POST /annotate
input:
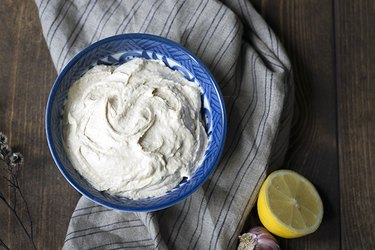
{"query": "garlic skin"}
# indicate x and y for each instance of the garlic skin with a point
(258, 238)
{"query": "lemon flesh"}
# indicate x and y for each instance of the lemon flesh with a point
(289, 205)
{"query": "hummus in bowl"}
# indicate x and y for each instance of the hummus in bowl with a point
(134, 130)
(142, 112)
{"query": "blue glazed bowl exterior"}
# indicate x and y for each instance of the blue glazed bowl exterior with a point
(117, 50)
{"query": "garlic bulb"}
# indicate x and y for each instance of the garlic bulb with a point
(258, 238)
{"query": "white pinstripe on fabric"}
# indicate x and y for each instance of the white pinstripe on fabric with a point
(254, 73)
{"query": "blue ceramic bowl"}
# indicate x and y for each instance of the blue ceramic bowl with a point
(117, 50)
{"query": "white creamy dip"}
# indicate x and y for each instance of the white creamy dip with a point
(134, 130)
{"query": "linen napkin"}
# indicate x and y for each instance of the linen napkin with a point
(254, 75)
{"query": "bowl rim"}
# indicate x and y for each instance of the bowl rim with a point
(51, 145)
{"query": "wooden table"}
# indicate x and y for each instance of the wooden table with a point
(332, 47)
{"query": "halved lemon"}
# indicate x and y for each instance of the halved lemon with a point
(289, 205)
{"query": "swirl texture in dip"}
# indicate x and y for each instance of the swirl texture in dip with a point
(134, 130)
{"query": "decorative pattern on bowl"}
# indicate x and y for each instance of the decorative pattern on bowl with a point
(117, 50)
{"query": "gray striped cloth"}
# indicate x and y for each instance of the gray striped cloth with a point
(254, 75)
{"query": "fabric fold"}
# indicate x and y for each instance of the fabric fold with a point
(254, 75)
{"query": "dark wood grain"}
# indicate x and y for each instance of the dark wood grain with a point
(355, 57)
(26, 76)
(307, 31)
